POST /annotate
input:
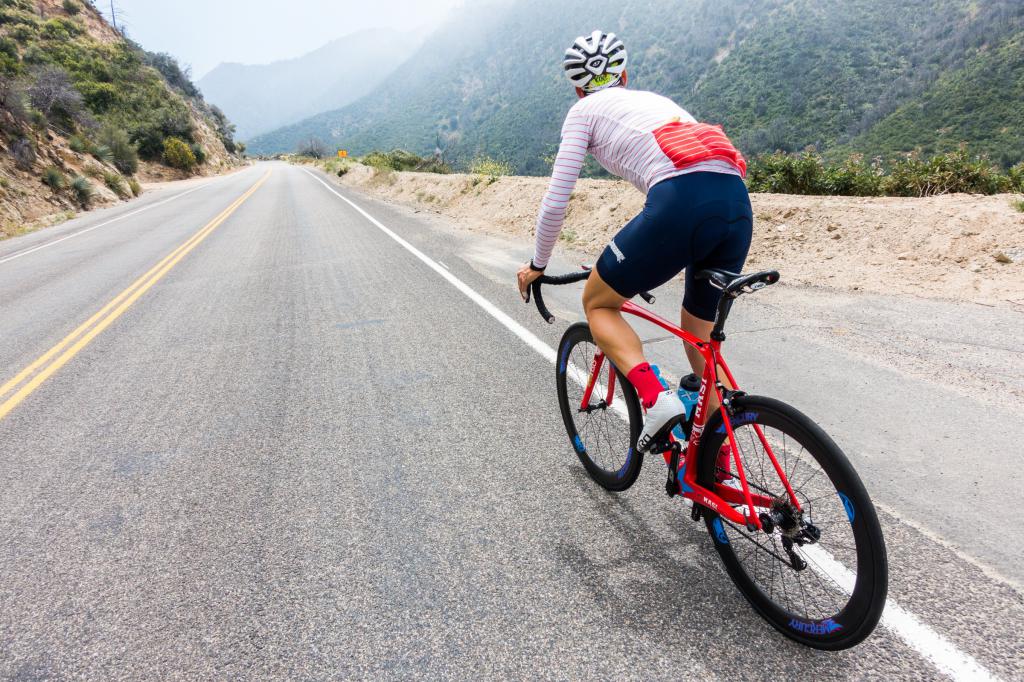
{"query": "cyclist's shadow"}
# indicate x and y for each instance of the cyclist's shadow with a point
(668, 582)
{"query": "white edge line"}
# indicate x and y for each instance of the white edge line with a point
(937, 649)
(528, 337)
(26, 252)
(942, 653)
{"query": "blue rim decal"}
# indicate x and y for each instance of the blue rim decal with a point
(565, 359)
(629, 458)
(579, 444)
(821, 627)
(739, 420)
(720, 535)
(848, 506)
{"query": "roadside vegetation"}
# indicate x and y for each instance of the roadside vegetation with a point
(490, 168)
(912, 176)
(102, 94)
(314, 149)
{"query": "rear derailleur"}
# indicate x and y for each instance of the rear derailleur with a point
(792, 527)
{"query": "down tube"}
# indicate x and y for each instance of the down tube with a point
(764, 442)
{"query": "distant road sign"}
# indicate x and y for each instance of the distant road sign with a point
(342, 153)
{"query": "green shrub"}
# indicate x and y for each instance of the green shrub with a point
(401, 160)
(787, 174)
(135, 187)
(910, 177)
(1016, 177)
(24, 33)
(9, 48)
(102, 152)
(855, 178)
(100, 98)
(177, 154)
(60, 29)
(944, 174)
(83, 190)
(38, 119)
(198, 152)
(78, 144)
(176, 122)
(93, 171)
(149, 141)
(117, 184)
(122, 151)
(54, 178)
(72, 7)
(485, 165)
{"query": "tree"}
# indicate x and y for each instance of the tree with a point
(313, 147)
(53, 93)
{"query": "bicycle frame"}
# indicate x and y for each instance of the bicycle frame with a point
(721, 498)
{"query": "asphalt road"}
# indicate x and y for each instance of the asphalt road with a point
(294, 450)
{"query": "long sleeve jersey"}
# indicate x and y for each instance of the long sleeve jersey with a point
(639, 136)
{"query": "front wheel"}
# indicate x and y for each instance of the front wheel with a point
(821, 575)
(603, 430)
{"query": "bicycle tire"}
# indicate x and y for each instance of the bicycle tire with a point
(826, 559)
(575, 352)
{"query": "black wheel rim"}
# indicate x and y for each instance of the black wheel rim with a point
(816, 596)
(602, 434)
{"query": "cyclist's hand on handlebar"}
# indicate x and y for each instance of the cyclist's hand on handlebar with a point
(526, 276)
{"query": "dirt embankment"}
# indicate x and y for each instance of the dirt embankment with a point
(27, 202)
(959, 247)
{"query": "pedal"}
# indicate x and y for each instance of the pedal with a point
(672, 487)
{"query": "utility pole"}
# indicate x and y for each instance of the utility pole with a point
(113, 16)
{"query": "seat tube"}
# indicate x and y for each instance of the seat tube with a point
(595, 371)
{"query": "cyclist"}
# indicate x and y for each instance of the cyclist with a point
(697, 214)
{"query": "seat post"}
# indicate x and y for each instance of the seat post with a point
(724, 307)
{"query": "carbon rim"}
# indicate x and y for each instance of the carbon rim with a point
(601, 434)
(817, 595)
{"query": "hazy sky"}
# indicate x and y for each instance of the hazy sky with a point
(204, 33)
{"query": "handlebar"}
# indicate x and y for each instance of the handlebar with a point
(572, 277)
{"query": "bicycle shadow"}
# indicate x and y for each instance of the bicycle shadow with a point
(666, 583)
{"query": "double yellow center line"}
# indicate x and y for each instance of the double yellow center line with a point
(46, 365)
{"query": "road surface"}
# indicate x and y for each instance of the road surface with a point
(249, 433)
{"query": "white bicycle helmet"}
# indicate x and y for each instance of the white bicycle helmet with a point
(596, 62)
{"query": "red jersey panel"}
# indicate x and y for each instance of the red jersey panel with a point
(688, 143)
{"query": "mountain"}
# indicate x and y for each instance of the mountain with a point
(265, 97)
(855, 75)
(86, 113)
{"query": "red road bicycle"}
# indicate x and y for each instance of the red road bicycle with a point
(786, 511)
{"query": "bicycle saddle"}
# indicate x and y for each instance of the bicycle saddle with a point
(734, 284)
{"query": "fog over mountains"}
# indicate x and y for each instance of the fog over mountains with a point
(869, 76)
(261, 98)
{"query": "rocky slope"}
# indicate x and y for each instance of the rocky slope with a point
(84, 114)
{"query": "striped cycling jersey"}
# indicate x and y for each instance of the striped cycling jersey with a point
(639, 136)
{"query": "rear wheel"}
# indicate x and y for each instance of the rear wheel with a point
(821, 575)
(603, 433)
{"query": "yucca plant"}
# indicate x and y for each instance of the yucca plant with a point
(54, 178)
(83, 190)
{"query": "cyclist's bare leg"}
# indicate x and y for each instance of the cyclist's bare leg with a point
(702, 330)
(612, 334)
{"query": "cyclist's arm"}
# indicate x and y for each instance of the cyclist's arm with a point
(568, 164)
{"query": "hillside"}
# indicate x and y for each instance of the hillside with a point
(85, 114)
(779, 74)
(260, 98)
(982, 102)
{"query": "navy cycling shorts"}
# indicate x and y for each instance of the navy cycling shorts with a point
(692, 222)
